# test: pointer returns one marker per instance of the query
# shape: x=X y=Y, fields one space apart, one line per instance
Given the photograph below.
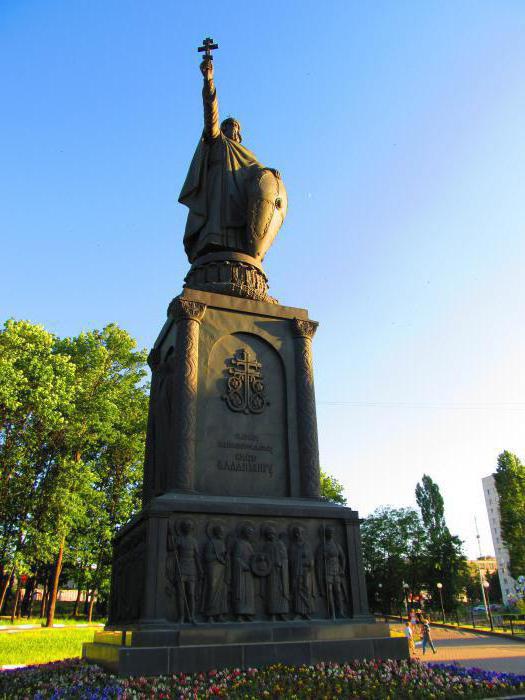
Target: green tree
x=37 y=389
x=444 y=561
x=106 y=432
x=510 y=484
x=72 y=424
x=392 y=541
x=331 y=489
x=494 y=587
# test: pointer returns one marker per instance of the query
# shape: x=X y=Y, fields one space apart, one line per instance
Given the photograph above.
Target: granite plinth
x=207 y=647
x=235 y=559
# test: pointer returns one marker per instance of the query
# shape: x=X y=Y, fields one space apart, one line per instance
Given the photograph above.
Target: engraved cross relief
x=245 y=389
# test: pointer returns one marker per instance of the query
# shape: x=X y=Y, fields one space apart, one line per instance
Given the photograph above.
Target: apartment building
x=508 y=585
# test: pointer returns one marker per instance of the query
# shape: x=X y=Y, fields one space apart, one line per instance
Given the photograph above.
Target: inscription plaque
x=242 y=449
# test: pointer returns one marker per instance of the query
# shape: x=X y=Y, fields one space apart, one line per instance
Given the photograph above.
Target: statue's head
x=297 y=533
x=270 y=533
x=232 y=129
x=186 y=527
x=218 y=532
x=247 y=532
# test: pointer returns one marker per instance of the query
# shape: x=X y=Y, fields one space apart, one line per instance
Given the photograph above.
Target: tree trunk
x=77 y=601
x=54 y=589
x=91 y=603
x=43 y=601
x=8 y=578
x=28 y=596
x=15 y=604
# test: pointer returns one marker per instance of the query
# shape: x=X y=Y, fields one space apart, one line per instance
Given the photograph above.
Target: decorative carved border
x=304 y=329
x=187 y=310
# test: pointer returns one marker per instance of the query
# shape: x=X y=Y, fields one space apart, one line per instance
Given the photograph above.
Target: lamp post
x=405 y=591
x=440 y=589
x=486 y=586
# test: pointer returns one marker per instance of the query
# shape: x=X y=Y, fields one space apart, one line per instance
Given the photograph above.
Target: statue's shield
x=267 y=206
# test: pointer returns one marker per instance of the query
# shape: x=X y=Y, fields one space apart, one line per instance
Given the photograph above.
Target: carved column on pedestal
x=356 y=572
x=188 y=315
x=306 y=416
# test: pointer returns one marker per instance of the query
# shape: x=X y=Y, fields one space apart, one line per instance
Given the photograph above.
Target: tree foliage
x=510 y=484
x=444 y=561
x=392 y=541
x=331 y=489
x=404 y=549
x=72 y=424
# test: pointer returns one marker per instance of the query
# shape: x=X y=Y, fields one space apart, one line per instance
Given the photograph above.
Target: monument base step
x=154 y=652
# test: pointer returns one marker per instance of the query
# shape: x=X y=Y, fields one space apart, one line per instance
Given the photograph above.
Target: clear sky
x=399 y=131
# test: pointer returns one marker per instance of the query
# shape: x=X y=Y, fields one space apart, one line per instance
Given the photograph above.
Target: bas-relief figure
x=243 y=583
x=276 y=588
x=183 y=568
x=217 y=574
x=330 y=571
x=301 y=574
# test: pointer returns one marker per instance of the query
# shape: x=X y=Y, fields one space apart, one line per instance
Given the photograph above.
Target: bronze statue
x=277 y=593
x=242 y=575
x=183 y=568
x=301 y=574
x=236 y=205
x=217 y=574
x=330 y=571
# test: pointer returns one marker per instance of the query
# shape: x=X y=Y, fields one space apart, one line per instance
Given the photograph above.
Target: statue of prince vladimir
x=236 y=205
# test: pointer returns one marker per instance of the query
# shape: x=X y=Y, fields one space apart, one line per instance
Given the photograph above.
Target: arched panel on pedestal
x=242 y=447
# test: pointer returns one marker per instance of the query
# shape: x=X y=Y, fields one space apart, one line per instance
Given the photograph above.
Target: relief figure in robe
x=301 y=574
x=276 y=588
x=242 y=575
x=217 y=574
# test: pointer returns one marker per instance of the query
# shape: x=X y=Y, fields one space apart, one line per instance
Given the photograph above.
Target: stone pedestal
x=235 y=560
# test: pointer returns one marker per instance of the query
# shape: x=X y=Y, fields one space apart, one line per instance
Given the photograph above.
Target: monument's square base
x=204 y=647
x=256 y=625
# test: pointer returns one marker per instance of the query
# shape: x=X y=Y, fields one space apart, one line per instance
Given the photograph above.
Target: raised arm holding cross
x=207 y=63
x=230 y=127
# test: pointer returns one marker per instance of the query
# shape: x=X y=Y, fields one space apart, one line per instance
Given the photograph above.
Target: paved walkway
x=470 y=649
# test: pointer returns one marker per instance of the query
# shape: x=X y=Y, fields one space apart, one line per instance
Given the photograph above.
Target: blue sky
x=398 y=128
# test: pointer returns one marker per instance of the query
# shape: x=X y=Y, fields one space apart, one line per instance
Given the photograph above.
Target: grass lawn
x=41 y=646
x=80 y=620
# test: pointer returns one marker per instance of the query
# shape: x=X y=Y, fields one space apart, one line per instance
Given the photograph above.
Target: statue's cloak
x=216 y=193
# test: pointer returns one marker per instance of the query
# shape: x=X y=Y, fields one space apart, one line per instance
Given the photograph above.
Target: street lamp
x=486 y=586
x=440 y=589
x=405 y=591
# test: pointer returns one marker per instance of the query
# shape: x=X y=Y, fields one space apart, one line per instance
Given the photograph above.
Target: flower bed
x=361 y=679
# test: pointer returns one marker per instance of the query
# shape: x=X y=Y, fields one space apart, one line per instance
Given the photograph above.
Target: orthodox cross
x=208 y=46
x=244 y=387
x=245 y=365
